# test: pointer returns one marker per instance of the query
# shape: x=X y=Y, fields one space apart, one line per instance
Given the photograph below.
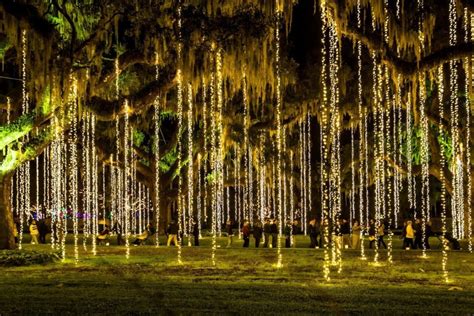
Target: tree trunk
x=7 y=226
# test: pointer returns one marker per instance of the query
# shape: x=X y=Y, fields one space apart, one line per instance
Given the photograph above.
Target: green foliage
x=415 y=136
x=85 y=16
x=166 y=115
x=445 y=144
x=16 y=129
x=168 y=160
x=5 y=45
x=138 y=137
x=10 y=258
x=45 y=104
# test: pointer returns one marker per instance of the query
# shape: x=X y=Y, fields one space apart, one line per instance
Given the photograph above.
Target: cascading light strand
x=73 y=165
x=279 y=129
x=190 y=178
x=156 y=187
x=324 y=143
x=425 y=161
x=179 y=78
x=468 y=24
x=126 y=174
x=442 y=162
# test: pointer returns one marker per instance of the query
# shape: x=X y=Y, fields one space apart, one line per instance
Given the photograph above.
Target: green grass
x=244 y=281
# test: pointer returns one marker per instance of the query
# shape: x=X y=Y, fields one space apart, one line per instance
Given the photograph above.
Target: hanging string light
x=190 y=179
x=247 y=151
x=352 y=192
x=292 y=198
x=220 y=142
x=377 y=152
x=308 y=176
x=126 y=174
x=95 y=186
x=302 y=177
x=213 y=154
x=442 y=162
x=425 y=175
x=362 y=143
x=324 y=144
x=457 y=197
x=179 y=79
x=205 y=151
x=238 y=204
x=468 y=22
x=73 y=165
x=156 y=206
x=262 y=177
x=23 y=172
x=388 y=129
x=279 y=129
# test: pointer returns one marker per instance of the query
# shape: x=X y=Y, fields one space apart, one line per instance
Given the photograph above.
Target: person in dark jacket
x=346 y=234
x=196 y=233
x=257 y=233
x=372 y=230
x=117 y=229
x=312 y=233
x=287 y=232
x=418 y=234
x=267 y=232
x=43 y=231
x=428 y=234
x=274 y=232
x=230 y=232
x=246 y=234
x=172 y=231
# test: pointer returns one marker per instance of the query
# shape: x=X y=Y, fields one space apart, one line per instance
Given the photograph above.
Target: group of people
x=268 y=231
x=415 y=233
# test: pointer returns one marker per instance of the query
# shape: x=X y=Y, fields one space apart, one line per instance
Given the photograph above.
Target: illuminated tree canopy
x=114 y=59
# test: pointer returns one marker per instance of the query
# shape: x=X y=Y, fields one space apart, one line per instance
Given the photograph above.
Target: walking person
x=380 y=235
x=172 y=231
x=117 y=229
x=196 y=233
x=34 y=233
x=418 y=234
x=274 y=232
x=346 y=234
x=230 y=232
x=408 y=235
x=287 y=232
x=266 y=232
x=313 y=234
x=428 y=234
x=43 y=230
x=371 y=233
x=246 y=234
x=356 y=229
x=257 y=233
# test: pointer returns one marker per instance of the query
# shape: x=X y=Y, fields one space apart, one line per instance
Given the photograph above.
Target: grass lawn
x=244 y=281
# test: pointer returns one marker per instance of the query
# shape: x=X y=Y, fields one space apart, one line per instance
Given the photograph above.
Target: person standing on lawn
x=172 y=233
x=418 y=234
x=246 y=234
x=408 y=235
x=274 y=232
x=356 y=235
x=266 y=232
x=230 y=232
x=34 y=232
x=257 y=233
x=380 y=234
x=196 y=233
x=371 y=232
